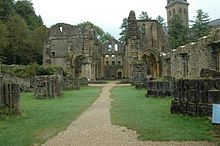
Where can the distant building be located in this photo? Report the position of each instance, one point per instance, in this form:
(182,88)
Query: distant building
(178,7)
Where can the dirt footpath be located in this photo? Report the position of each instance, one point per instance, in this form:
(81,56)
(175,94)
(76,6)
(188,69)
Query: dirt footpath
(94,128)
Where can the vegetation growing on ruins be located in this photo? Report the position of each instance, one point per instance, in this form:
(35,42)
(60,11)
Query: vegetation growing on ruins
(152,119)
(29,70)
(41,120)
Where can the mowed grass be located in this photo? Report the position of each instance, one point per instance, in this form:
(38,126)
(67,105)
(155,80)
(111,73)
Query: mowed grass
(152,120)
(42,119)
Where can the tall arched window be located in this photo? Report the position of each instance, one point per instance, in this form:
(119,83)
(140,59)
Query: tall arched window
(116,47)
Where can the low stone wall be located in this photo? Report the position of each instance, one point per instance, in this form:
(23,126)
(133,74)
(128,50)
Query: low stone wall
(9,97)
(195,97)
(159,88)
(70,84)
(47,87)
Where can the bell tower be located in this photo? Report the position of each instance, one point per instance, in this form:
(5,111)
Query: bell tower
(179,7)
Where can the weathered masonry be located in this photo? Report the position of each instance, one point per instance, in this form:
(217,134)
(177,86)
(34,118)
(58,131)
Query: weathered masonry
(47,87)
(189,60)
(147,43)
(9,97)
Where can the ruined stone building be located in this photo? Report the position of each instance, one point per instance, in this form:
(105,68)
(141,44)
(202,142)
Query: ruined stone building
(77,51)
(146,50)
(147,42)
(73,49)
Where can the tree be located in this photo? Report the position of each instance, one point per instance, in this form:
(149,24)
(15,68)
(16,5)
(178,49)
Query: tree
(124,32)
(178,33)
(144,16)
(25,9)
(161,20)
(101,35)
(6,8)
(200,26)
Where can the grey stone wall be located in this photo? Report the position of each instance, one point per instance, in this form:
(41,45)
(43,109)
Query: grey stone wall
(195,97)
(9,97)
(47,87)
(188,61)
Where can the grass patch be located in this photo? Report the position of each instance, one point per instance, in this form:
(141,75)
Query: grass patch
(152,119)
(42,119)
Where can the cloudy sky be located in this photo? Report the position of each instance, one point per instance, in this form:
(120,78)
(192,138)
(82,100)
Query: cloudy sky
(109,14)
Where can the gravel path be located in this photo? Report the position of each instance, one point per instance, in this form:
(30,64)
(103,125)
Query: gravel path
(94,128)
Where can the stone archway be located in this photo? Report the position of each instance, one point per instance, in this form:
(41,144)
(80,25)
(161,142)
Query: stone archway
(119,74)
(78,64)
(151,63)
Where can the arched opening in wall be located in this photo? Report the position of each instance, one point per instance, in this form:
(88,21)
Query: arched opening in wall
(119,74)
(151,64)
(78,64)
(116,47)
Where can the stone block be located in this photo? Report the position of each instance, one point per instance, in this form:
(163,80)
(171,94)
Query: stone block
(217,83)
(208,84)
(183,108)
(175,107)
(214,96)
(192,109)
(193,96)
(193,84)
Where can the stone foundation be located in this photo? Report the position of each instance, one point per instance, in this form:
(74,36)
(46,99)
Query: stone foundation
(47,87)
(70,84)
(159,88)
(195,97)
(9,97)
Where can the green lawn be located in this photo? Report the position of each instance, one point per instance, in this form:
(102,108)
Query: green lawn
(152,119)
(42,119)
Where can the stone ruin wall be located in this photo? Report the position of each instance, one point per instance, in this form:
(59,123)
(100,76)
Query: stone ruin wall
(47,87)
(195,97)
(194,57)
(9,97)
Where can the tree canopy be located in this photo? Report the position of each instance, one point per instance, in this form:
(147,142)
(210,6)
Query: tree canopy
(101,35)
(21,33)
(178,33)
(144,16)
(200,25)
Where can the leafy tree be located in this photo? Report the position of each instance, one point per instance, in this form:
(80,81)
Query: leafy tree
(3,36)
(144,16)
(101,35)
(25,9)
(200,26)
(178,33)
(6,8)
(17,39)
(124,32)
(161,20)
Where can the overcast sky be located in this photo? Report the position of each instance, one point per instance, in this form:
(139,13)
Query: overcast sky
(109,14)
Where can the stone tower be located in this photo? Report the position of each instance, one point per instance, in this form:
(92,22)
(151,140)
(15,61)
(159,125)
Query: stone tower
(179,7)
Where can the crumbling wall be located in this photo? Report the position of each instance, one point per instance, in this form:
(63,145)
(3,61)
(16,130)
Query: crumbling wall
(47,86)
(195,97)
(161,88)
(9,97)
(188,61)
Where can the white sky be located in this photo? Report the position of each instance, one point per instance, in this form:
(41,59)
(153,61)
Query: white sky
(109,14)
